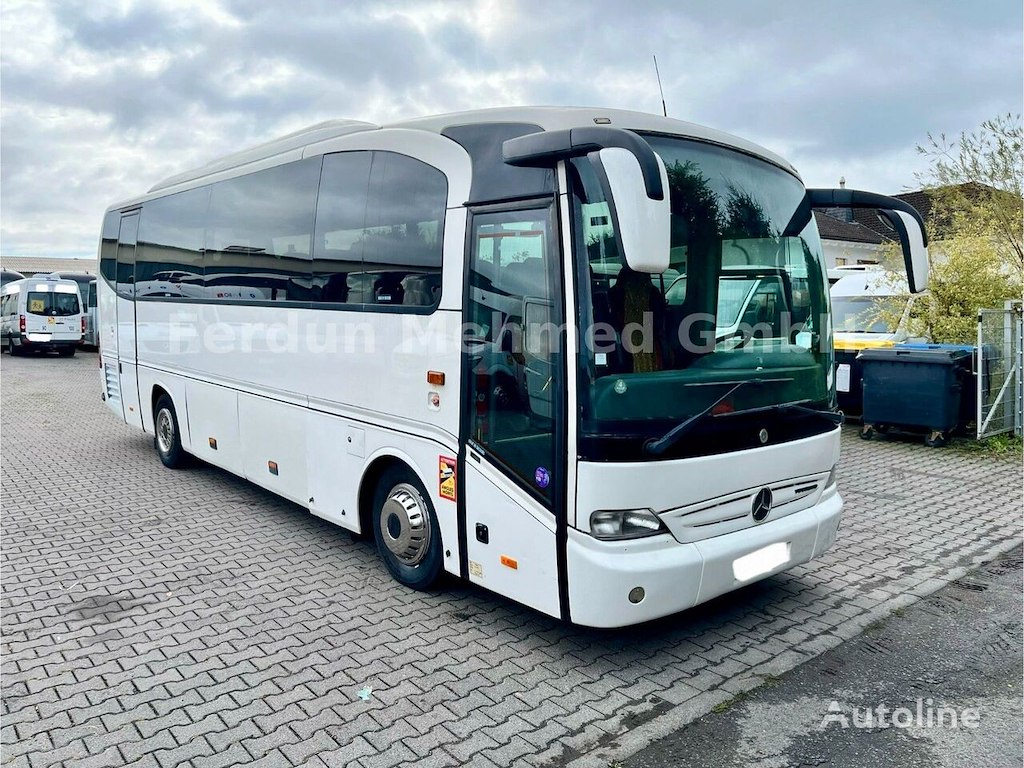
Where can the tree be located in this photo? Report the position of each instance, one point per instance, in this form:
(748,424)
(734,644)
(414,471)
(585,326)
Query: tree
(975,185)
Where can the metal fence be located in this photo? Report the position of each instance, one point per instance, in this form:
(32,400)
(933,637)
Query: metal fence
(1000,370)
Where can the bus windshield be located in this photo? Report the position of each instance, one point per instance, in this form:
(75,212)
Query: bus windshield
(744,297)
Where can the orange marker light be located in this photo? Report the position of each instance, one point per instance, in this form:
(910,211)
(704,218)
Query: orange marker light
(436,378)
(272,466)
(510,562)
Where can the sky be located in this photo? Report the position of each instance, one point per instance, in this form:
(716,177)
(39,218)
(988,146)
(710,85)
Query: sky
(101,99)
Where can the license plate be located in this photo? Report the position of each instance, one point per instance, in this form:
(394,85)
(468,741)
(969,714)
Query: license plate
(761,561)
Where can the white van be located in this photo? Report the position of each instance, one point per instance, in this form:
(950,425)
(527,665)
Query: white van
(843,270)
(870,309)
(41,314)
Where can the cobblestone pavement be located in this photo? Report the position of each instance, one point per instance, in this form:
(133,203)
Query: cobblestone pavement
(161,618)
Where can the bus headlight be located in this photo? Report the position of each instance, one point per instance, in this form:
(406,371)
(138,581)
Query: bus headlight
(830,488)
(625,524)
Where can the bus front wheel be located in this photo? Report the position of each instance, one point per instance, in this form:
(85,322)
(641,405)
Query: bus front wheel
(406,531)
(168,436)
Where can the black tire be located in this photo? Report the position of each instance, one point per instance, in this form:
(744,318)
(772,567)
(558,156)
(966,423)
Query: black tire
(14,351)
(405,529)
(66,351)
(167,440)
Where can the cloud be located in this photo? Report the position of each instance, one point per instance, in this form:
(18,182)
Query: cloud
(100,100)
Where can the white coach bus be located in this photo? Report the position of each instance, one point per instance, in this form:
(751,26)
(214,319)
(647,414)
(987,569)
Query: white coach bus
(456,334)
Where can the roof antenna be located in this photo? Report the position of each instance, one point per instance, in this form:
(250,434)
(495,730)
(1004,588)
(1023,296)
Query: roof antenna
(664,111)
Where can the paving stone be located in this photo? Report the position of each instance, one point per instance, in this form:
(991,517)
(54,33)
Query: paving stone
(276,618)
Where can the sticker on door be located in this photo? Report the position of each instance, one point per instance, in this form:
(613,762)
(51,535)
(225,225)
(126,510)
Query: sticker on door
(446,478)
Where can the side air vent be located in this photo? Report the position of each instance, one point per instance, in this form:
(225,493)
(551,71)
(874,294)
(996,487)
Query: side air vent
(112,382)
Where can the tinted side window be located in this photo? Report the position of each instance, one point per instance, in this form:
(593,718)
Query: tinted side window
(108,246)
(379,230)
(260,232)
(126,240)
(340,220)
(169,257)
(403,236)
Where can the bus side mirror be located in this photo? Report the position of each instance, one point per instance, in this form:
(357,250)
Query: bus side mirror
(633,176)
(915,252)
(903,218)
(642,223)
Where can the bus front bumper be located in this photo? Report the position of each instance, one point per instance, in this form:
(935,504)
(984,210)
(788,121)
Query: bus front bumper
(605,577)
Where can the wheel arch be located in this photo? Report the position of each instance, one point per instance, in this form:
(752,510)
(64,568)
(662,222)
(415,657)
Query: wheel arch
(379,463)
(175,390)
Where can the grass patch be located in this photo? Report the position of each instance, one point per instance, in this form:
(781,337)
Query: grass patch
(770,681)
(724,706)
(997,445)
(767,681)
(874,627)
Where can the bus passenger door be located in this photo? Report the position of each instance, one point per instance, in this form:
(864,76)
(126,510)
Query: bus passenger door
(126,341)
(512,501)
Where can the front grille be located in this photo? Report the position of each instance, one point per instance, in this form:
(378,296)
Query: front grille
(732,512)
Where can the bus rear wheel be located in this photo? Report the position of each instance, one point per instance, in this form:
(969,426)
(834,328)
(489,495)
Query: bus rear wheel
(168,437)
(406,531)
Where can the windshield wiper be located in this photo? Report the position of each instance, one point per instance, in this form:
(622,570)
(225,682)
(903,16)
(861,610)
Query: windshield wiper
(670,438)
(836,417)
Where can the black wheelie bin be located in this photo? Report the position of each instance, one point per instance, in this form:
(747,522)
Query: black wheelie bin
(914,389)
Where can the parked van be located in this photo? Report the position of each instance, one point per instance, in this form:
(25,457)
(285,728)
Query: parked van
(870,308)
(87,289)
(838,273)
(43,314)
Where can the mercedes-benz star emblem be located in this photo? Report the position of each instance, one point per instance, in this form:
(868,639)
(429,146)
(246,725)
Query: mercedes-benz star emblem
(762,504)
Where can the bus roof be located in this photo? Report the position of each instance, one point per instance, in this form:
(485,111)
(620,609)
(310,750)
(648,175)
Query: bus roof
(548,118)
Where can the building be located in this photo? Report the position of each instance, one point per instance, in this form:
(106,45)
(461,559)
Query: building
(859,236)
(34,265)
(844,241)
